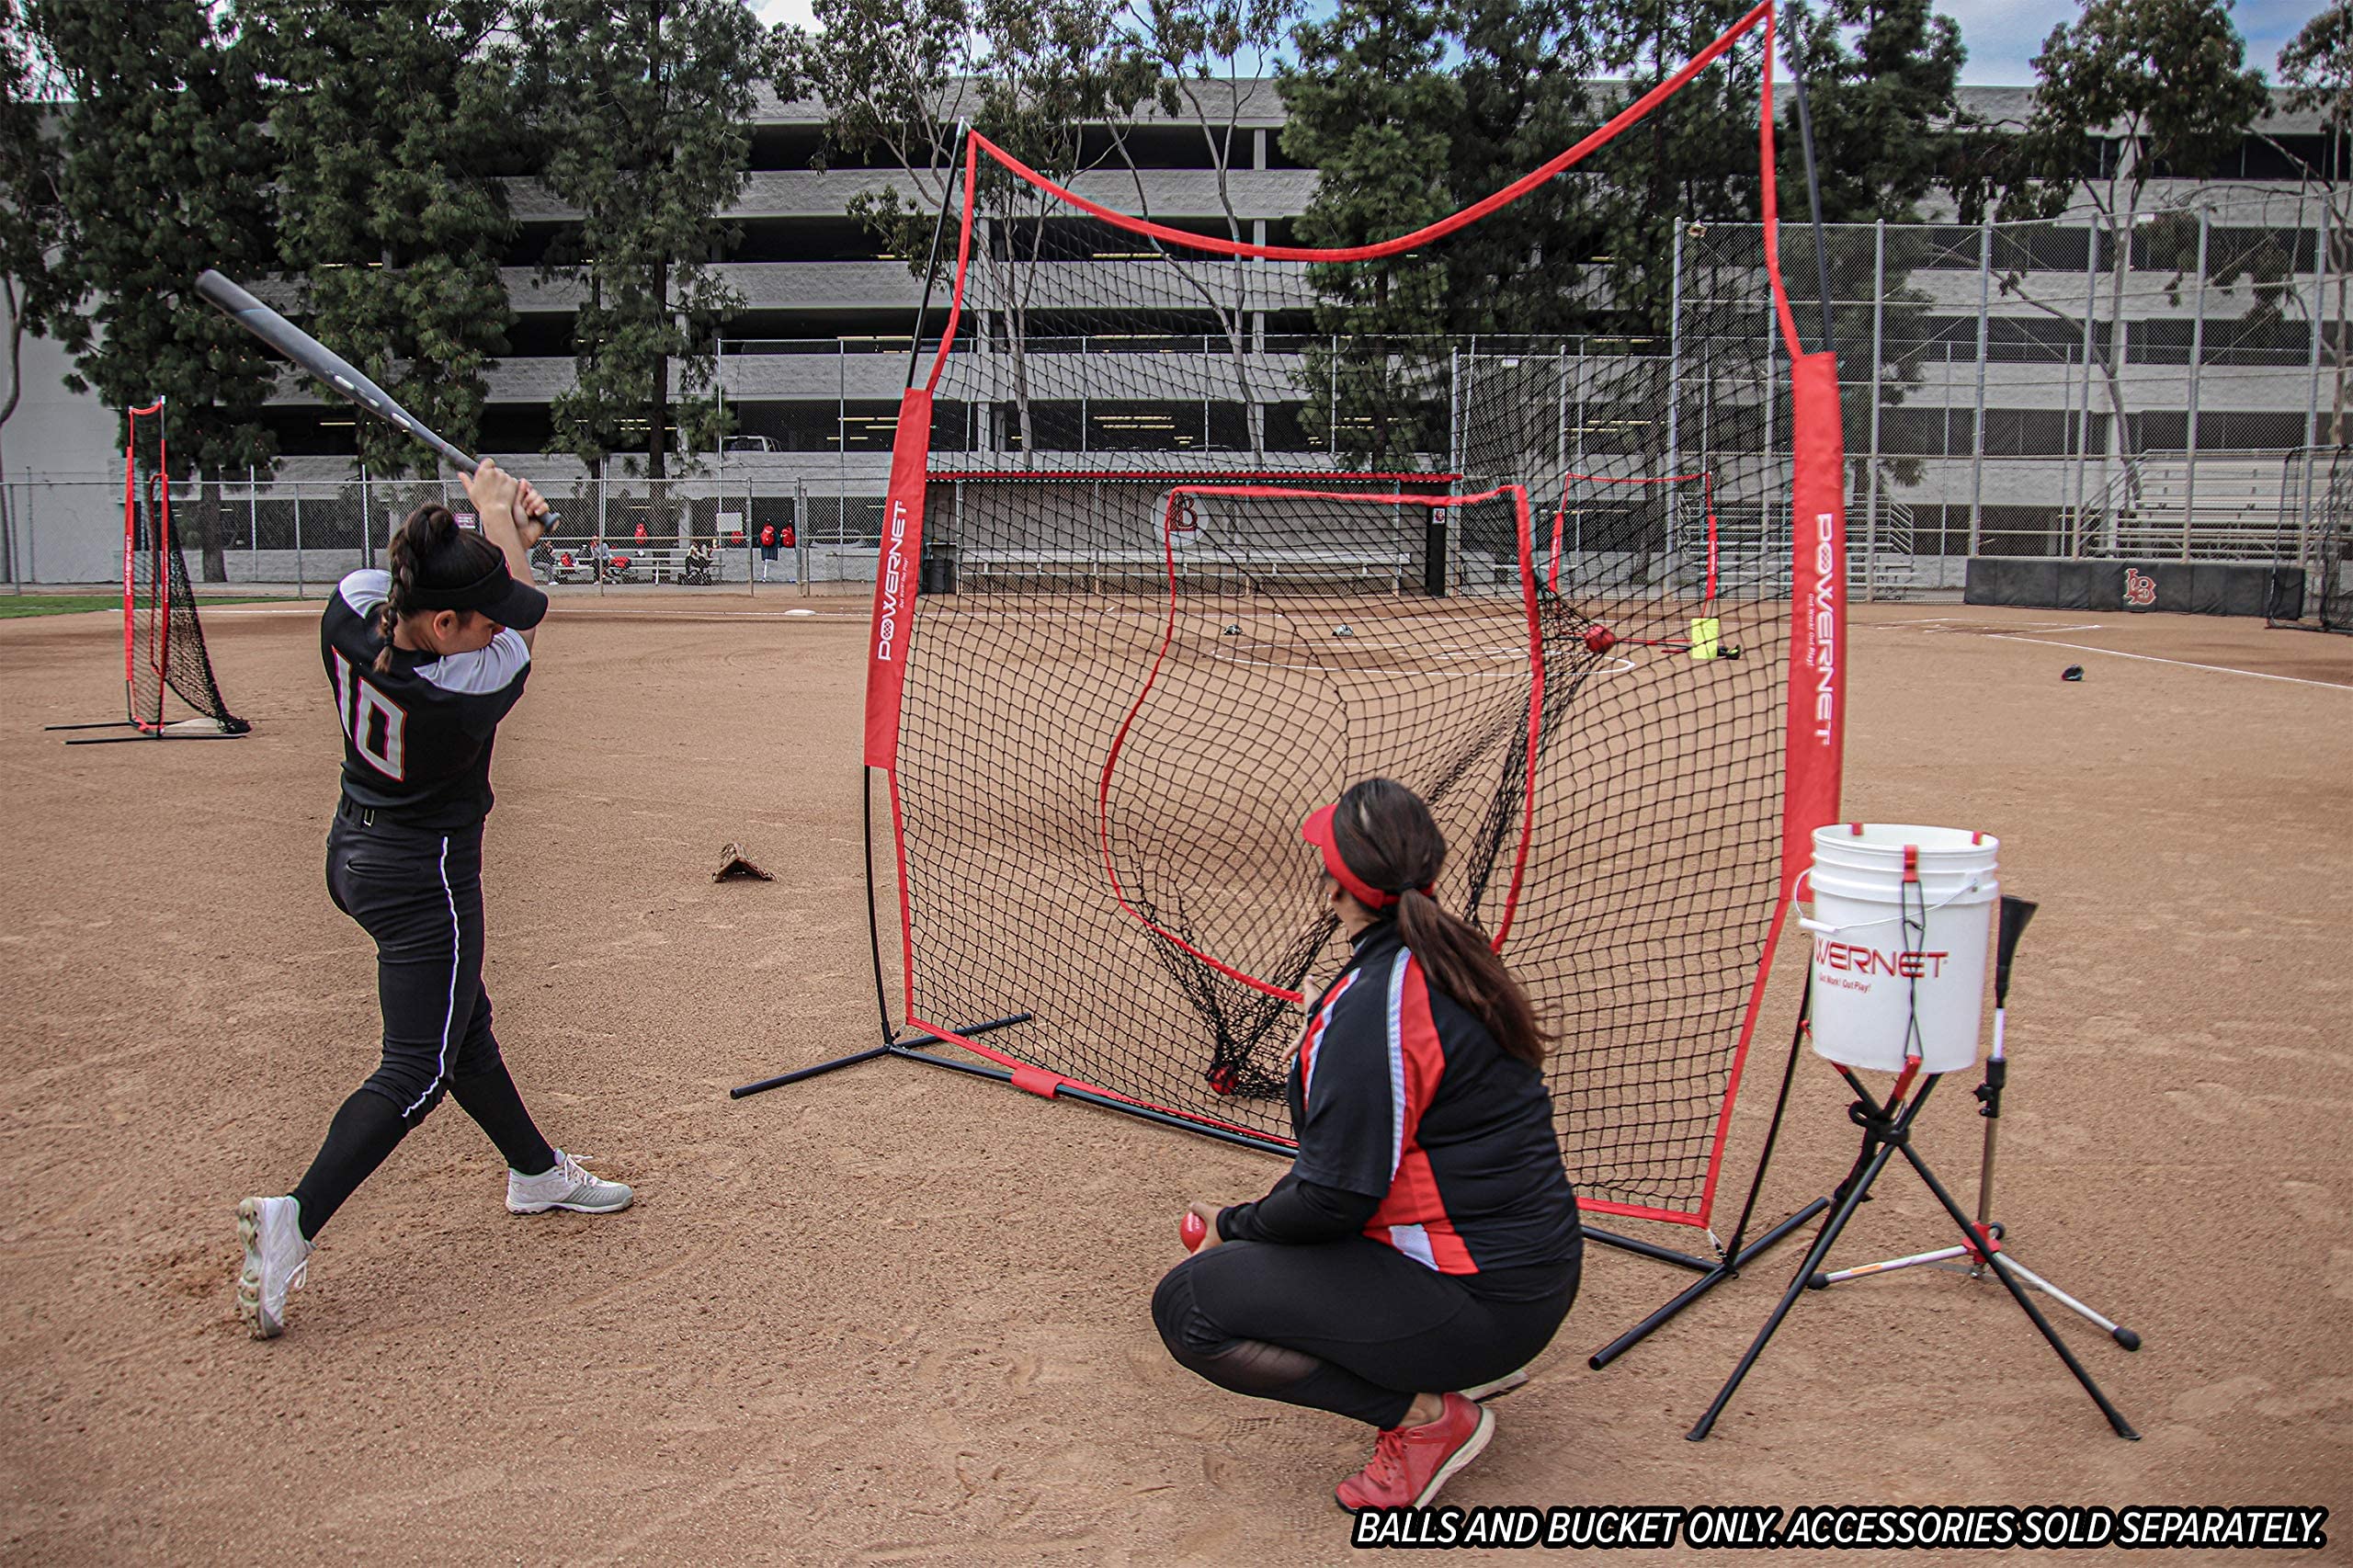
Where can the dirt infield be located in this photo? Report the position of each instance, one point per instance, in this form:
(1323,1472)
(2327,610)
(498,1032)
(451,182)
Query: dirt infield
(897,1316)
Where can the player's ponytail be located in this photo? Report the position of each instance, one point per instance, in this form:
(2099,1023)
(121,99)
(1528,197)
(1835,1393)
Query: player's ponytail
(1387,837)
(429,550)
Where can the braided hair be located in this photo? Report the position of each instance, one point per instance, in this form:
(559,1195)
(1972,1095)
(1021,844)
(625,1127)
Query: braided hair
(430,551)
(1386,835)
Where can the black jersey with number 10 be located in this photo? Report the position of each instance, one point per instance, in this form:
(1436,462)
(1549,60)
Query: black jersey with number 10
(417,738)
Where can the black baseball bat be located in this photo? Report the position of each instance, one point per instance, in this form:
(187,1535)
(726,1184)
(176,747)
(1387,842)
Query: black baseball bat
(323,362)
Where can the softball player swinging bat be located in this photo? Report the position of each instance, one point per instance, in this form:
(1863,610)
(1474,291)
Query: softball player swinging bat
(424,660)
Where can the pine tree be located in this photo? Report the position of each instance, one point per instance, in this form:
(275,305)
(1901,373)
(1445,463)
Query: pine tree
(32,222)
(394,119)
(644,106)
(1882,84)
(1692,159)
(1524,66)
(168,168)
(1372,110)
(1882,80)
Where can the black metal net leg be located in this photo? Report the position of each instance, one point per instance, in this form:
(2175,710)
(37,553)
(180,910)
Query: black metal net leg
(1877,1125)
(1738,1253)
(1887,1133)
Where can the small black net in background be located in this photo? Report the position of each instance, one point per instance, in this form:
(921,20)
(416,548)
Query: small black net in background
(167,639)
(2318,581)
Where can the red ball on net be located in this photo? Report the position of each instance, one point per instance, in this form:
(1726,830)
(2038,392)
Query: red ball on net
(1191,1231)
(1600,639)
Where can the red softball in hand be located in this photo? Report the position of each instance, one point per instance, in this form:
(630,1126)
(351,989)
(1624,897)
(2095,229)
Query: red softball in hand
(1191,1231)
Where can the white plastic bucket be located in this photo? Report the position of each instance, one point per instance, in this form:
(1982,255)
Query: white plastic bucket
(1869,978)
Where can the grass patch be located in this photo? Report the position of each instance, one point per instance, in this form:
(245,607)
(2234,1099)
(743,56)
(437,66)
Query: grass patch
(13,606)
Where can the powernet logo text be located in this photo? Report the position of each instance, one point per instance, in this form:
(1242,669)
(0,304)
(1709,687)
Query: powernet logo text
(886,628)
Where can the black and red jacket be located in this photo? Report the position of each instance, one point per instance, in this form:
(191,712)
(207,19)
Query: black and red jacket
(1415,1130)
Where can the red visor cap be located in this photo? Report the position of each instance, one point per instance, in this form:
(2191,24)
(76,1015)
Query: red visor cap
(1317,830)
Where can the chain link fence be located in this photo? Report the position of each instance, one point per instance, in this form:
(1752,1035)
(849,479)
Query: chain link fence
(2155,389)
(2168,389)
(2159,388)
(742,531)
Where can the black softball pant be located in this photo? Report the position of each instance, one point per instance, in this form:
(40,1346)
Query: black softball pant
(419,896)
(1351,1326)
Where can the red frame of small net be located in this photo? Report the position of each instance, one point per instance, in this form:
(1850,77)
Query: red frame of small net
(1707,502)
(1815,710)
(1168,525)
(160,608)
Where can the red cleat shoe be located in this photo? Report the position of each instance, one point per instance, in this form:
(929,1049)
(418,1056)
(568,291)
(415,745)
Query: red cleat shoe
(1410,1464)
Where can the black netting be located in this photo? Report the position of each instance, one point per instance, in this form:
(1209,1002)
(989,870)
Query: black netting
(1191,573)
(2313,588)
(167,639)
(1665,462)
(1122,703)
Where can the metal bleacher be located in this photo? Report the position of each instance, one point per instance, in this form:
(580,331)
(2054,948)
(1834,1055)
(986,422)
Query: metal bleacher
(2180,507)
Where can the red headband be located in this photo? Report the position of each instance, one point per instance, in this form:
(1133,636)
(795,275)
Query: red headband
(1317,830)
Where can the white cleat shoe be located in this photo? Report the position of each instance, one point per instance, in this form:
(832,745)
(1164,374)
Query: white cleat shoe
(568,1186)
(277,1260)
(1505,1384)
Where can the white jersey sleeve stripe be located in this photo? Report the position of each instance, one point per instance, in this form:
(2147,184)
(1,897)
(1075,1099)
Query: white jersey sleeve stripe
(1397,1060)
(484,671)
(364,590)
(1413,1241)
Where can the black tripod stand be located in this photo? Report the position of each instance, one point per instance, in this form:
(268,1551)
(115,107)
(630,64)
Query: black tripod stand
(1985,1251)
(1887,1133)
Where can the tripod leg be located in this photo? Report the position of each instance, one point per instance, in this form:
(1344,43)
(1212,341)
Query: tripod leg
(1855,1192)
(2124,1336)
(2026,1303)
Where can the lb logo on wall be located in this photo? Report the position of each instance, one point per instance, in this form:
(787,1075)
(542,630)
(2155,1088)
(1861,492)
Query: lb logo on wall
(2140,589)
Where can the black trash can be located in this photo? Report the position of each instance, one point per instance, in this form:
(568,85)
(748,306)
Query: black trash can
(937,575)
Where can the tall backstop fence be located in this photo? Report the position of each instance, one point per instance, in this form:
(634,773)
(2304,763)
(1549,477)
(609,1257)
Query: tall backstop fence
(739,529)
(2172,386)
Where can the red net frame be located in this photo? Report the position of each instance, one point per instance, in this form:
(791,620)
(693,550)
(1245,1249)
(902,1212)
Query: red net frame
(1174,506)
(1705,479)
(150,614)
(1812,715)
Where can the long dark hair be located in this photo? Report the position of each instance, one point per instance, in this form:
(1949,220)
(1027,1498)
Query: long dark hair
(430,551)
(1387,837)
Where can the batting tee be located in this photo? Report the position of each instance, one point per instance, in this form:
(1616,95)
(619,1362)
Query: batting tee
(1126,634)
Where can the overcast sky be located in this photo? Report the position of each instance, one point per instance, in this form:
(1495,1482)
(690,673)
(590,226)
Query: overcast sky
(2002,35)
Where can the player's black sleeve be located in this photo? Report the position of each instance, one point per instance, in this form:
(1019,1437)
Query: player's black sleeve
(1298,1212)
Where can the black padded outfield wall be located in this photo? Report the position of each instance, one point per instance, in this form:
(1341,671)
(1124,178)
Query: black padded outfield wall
(2187,587)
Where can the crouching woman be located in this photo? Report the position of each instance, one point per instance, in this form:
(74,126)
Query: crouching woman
(1424,1245)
